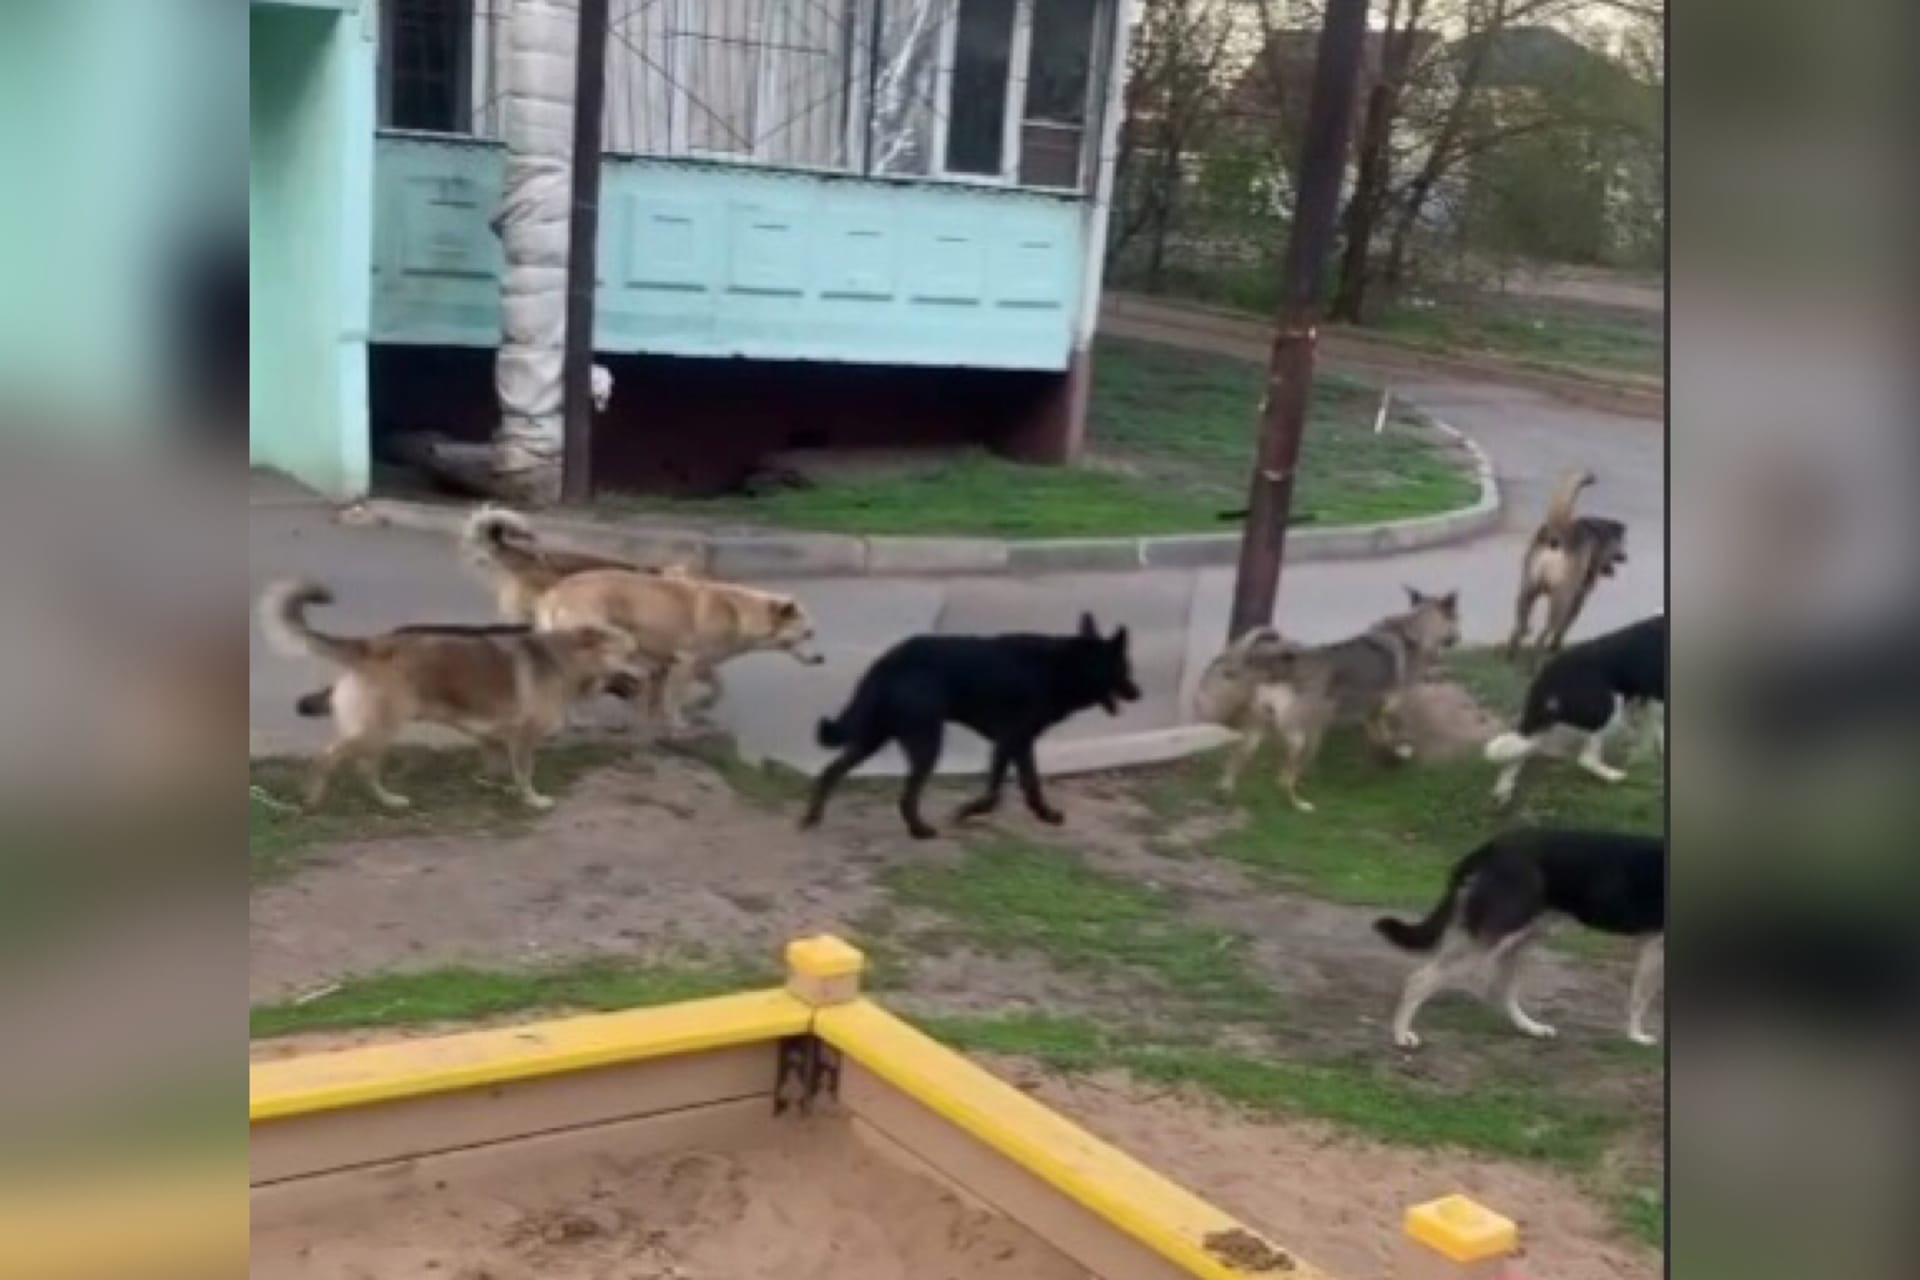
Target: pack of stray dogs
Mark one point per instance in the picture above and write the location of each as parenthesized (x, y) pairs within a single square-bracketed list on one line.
[(576, 624)]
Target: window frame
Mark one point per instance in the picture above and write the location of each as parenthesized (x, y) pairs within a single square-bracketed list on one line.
[(471, 118), (466, 116), (1014, 120)]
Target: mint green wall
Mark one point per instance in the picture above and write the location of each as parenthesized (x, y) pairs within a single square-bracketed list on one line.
[(119, 128), (310, 216), (710, 260)]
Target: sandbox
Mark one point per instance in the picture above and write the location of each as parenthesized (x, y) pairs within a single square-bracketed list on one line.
[(803, 1133)]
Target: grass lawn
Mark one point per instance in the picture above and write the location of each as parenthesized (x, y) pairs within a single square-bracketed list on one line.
[(1170, 444), (1552, 335), (1389, 834)]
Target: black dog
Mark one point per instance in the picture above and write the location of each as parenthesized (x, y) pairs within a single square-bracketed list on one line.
[(1500, 895), (1009, 689), (1588, 687)]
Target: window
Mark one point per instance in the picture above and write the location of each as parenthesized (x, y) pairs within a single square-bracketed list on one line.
[(977, 115), (427, 71), (1053, 130), (1028, 61)]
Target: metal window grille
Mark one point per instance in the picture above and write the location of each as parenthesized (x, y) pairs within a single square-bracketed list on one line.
[(1003, 91)]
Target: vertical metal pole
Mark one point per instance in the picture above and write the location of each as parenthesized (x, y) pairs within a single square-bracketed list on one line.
[(1323, 162), (878, 14), (583, 242)]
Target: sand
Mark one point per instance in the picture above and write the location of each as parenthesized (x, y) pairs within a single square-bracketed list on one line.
[(815, 1204)]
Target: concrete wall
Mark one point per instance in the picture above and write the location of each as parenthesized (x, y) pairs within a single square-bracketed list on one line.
[(119, 142), (710, 260), (310, 199)]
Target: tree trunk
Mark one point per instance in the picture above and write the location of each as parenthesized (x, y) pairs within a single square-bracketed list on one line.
[(1440, 157), (533, 225), (1369, 197)]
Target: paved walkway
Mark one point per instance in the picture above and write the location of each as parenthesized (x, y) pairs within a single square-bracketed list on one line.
[(1178, 618)]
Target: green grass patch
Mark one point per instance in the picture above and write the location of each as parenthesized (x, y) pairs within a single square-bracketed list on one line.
[(1368, 1098), (464, 995), (1385, 834), (445, 785), (1551, 335), (1170, 445), (1640, 1210), (1006, 895)]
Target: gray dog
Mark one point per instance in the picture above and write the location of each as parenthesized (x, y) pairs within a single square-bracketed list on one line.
[(1262, 684)]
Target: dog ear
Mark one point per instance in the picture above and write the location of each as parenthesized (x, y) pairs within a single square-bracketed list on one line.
[(1119, 640), (1089, 629), (1450, 604), (1414, 597)]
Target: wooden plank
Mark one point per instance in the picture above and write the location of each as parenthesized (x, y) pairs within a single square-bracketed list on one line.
[(430, 1123), (1122, 1193), (478, 1170), (415, 1068)]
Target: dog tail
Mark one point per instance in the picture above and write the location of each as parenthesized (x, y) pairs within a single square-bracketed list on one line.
[(1509, 747), (1565, 498), (283, 616), (488, 529), (1425, 934), (855, 724), (316, 704)]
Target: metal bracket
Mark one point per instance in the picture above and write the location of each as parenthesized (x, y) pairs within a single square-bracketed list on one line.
[(809, 1069)]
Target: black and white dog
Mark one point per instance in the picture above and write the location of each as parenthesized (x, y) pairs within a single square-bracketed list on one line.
[(1501, 896), (1588, 687)]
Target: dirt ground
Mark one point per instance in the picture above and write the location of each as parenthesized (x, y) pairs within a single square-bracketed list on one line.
[(664, 857), (813, 1205)]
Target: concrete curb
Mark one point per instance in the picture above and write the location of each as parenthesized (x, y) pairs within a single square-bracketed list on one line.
[(768, 554)]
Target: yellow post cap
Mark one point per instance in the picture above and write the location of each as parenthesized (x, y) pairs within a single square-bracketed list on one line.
[(824, 956), (1462, 1230)]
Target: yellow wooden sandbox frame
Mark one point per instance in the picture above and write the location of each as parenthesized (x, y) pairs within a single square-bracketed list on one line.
[(337, 1127)]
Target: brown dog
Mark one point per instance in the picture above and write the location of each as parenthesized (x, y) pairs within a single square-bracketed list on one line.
[(501, 684), (521, 568), (684, 627), (1568, 556)]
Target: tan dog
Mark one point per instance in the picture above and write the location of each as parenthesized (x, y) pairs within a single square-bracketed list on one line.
[(521, 568), (685, 627), (1298, 694), (497, 684), (1569, 554)]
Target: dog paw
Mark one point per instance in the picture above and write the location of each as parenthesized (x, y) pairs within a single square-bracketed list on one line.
[(1539, 1031), (1645, 1039), (923, 832), (395, 804), (1406, 1039), (1302, 806), (538, 802), (1403, 750), (1052, 817)]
